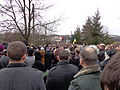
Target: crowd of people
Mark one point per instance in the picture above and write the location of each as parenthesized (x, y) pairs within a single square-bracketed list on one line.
[(59, 67)]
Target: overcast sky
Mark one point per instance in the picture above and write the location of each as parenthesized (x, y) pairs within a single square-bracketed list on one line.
[(77, 11)]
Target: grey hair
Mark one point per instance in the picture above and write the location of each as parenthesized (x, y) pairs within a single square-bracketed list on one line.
[(89, 55), (95, 47)]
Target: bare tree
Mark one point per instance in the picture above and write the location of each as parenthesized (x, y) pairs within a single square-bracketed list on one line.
[(23, 16)]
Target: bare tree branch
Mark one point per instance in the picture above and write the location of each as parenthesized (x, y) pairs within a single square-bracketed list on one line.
[(18, 16), (14, 19)]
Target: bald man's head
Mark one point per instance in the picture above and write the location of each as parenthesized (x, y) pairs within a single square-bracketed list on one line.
[(89, 55)]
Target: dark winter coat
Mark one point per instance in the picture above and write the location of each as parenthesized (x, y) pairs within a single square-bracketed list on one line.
[(60, 76), (75, 61), (86, 79), (4, 61), (38, 65), (101, 55), (49, 56), (109, 53), (18, 77)]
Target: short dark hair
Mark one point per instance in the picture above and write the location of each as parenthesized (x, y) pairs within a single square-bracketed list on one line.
[(30, 52), (89, 55), (110, 77), (63, 55), (16, 50)]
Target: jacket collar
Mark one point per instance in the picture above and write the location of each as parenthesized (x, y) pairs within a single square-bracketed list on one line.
[(63, 62), (87, 70), (10, 65)]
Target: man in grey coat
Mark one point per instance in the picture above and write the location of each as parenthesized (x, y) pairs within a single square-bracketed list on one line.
[(17, 76)]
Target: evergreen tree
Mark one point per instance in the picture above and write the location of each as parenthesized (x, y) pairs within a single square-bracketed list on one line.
[(72, 38), (106, 39), (86, 32), (92, 32), (97, 32), (77, 36)]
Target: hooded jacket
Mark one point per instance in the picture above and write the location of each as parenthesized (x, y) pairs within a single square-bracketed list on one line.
[(86, 79)]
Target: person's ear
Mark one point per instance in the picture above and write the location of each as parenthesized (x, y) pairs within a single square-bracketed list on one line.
[(81, 61), (24, 57), (7, 54), (106, 88), (58, 58)]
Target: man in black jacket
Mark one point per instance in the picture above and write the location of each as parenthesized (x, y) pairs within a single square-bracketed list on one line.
[(17, 76), (59, 77)]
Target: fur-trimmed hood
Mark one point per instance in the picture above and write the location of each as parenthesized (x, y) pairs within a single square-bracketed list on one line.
[(87, 70)]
